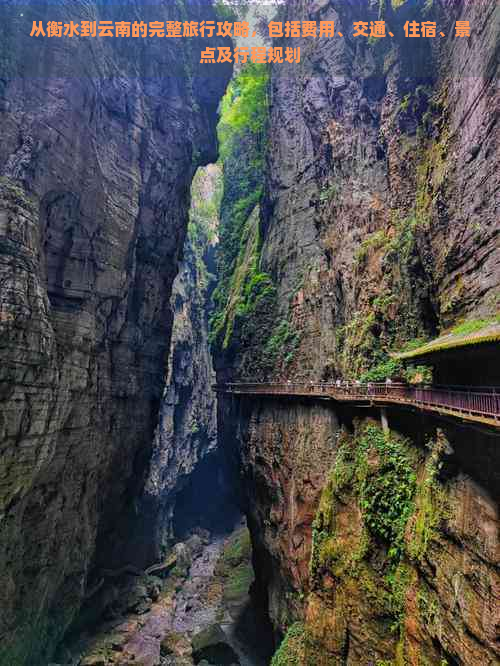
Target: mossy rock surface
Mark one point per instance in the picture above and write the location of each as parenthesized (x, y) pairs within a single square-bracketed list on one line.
[(175, 644), (292, 649), (211, 645), (238, 583), (94, 660)]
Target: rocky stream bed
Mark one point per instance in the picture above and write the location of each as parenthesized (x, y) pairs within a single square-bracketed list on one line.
[(200, 613)]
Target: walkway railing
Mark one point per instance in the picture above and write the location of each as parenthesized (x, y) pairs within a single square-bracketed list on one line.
[(475, 404)]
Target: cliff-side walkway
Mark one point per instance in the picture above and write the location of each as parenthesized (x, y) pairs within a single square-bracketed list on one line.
[(480, 404)]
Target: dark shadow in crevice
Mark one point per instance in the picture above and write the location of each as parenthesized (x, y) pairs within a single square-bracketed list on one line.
[(207, 501)]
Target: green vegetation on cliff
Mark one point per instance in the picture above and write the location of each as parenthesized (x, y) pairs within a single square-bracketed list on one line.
[(244, 111), (206, 193), (245, 296), (392, 313), (298, 648), (403, 302), (395, 505), (379, 471), (291, 650)]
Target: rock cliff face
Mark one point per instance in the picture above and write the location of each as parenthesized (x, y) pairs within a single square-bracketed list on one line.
[(381, 186), (187, 486), (371, 547), (378, 226), (98, 144), (380, 220)]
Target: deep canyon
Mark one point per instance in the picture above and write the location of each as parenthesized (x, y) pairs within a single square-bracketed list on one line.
[(169, 228)]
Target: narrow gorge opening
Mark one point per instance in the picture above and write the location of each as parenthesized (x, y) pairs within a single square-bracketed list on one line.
[(190, 516), (199, 597)]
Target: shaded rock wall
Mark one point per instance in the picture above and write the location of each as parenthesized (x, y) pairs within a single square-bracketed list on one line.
[(286, 450), (187, 484), (98, 144), (187, 427)]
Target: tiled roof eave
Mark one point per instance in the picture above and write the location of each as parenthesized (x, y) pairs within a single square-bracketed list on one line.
[(449, 342)]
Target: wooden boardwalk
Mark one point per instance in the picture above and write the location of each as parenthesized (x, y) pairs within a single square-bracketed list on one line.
[(475, 404)]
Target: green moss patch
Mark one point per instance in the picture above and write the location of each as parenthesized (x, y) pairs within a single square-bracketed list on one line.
[(235, 566), (431, 504), (292, 649), (238, 583), (245, 293)]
